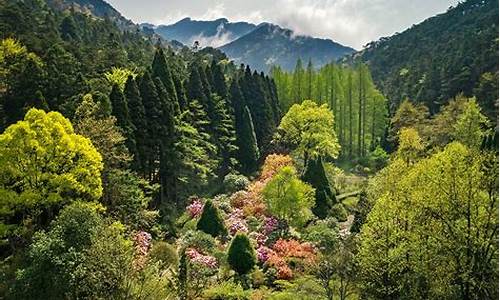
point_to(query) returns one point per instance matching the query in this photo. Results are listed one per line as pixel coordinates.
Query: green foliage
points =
(315, 175)
(454, 211)
(241, 255)
(128, 198)
(324, 234)
(309, 129)
(119, 76)
(45, 164)
(226, 291)
(288, 198)
(471, 126)
(235, 182)
(339, 212)
(211, 221)
(164, 254)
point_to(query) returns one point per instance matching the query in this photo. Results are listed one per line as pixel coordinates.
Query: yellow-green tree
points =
(432, 232)
(289, 198)
(308, 129)
(43, 165)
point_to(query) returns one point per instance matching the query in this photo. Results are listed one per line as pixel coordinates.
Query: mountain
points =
(96, 8)
(270, 44)
(453, 52)
(208, 33)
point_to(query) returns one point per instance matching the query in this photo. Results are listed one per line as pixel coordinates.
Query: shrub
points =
(210, 221)
(241, 255)
(226, 291)
(164, 254)
(235, 182)
(339, 212)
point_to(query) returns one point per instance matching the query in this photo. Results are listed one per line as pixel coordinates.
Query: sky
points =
(350, 22)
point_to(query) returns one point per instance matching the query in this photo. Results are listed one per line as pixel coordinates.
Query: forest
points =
(132, 169)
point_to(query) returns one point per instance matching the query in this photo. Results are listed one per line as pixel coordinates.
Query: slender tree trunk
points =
(373, 124)
(360, 111)
(350, 114)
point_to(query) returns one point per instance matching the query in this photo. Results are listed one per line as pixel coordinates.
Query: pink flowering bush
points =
(205, 260)
(195, 208)
(270, 225)
(142, 245)
(259, 238)
(236, 222)
(263, 253)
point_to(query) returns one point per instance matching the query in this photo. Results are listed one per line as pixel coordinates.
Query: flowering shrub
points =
(293, 248)
(205, 260)
(195, 208)
(285, 251)
(259, 238)
(273, 164)
(263, 254)
(270, 225)
(236, 222)
(142, 244)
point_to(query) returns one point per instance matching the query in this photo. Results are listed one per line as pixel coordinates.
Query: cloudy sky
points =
(350, 22)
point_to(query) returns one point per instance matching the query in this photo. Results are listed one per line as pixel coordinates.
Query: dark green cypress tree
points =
(182, 275)
(275, 104)
(194, 89)
(167, 152)
(151, 103)
(252, 87)
(207, 87)
(315, 175)
(120, 109)
(210, 221)
(219, 81)
(241, 255)
(224, 136)
(181, 95)
(246, 141)
(363, 208)
(161, 69)
(138, 120)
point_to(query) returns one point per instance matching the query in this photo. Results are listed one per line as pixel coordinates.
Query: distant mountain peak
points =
(259, 45)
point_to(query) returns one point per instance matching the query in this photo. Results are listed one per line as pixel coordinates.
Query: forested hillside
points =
(441, 57)
(133, 170)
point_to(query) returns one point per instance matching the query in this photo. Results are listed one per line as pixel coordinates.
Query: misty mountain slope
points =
(453, 52)
(271, 45)
(97, 8)
(208, 33)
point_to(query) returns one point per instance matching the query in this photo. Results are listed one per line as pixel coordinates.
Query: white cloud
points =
(350, 22)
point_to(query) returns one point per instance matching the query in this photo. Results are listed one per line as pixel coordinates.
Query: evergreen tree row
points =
(199, 126)
(360, 110)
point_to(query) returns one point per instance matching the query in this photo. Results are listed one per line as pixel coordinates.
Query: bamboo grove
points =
(360, 110)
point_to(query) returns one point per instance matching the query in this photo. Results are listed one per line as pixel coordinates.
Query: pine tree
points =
(252, 88)
(210, 221)
(120, 109)
(315, 175)
(138, 118)
(168, 155)
(182, 276)
(224, 136)
(246, 141)
(195, 89)
(241, 255)
(161, 69)
(151, 104)
(219, 82)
